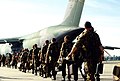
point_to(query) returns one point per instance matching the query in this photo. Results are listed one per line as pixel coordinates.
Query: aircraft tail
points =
(73, 13)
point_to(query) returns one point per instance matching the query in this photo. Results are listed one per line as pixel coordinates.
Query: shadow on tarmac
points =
(2, 77)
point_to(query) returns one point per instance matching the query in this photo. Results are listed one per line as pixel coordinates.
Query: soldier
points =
(44, 50)
(52, 57)
(10, 59)
(15, 60)
(89, 40)
(31, 55)
(36, 57)
(78, 59)
(65, 49)
(24, 59)
(3, 59)
(42, 58)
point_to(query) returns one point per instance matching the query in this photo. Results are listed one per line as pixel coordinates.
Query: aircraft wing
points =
(15, 42)
(110, 47)
(10, 40)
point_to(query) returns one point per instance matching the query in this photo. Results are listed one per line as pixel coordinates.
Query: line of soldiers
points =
(45, 60)
(88, 50)
(9, 60)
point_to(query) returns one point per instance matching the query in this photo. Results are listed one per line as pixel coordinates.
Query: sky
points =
(23, 17)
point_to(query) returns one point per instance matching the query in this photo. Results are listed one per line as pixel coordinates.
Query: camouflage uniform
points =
(90, 42)
(43, 68)
(78, 61)
(36, 58)
(24, 59)
(52, 57)
(44, 50)
(31, 57)
(65, 49)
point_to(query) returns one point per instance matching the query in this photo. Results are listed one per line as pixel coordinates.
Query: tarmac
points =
(9, 74)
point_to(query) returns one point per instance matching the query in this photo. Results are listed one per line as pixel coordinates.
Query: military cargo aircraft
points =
(69, 26)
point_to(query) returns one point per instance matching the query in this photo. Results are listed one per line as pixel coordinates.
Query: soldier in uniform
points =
(89, 40)
(24, 59)
(64, 51)
(44, 50)
(36, 58)
(78, 59)
(3, 59)
(52, 57)
(31, 55)
(42, 59)
(9, 59)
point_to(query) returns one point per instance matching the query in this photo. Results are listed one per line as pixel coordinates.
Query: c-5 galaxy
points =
(69, 26)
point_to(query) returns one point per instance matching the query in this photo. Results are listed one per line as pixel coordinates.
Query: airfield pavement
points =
(9, 74)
